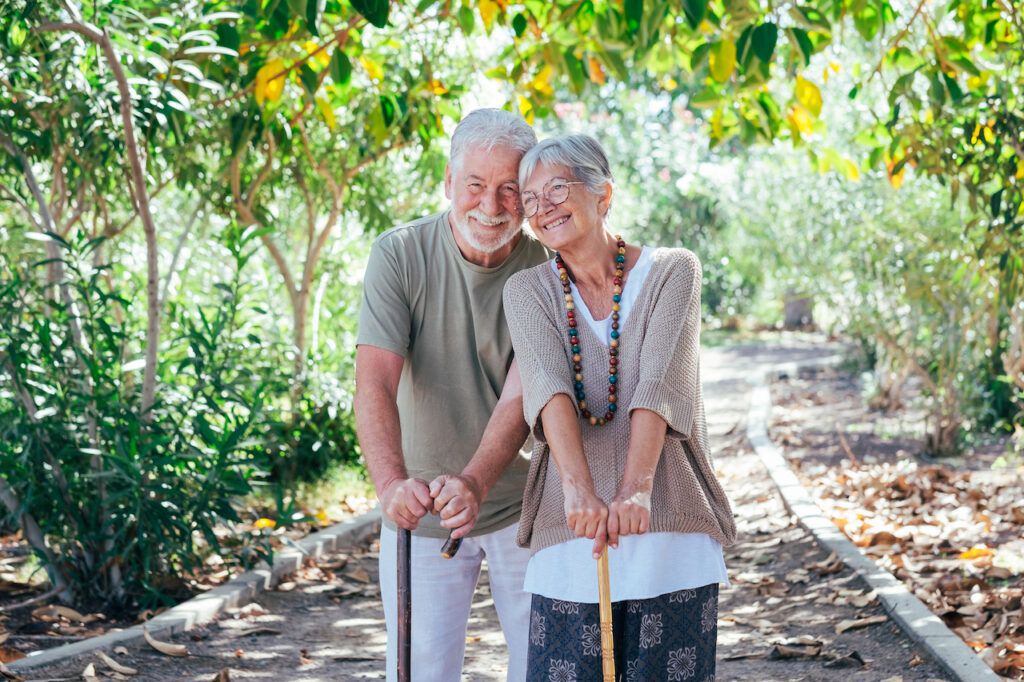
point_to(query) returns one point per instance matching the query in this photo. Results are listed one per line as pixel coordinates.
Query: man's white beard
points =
(490, 241)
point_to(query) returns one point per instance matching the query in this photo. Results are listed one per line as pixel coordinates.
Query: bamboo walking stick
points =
(604, 593)
(404, 605)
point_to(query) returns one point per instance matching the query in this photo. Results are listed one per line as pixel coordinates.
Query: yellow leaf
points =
(595, 71)
(974, 135)
(325, 110)
(541, 83)
(321, 58)
(669, 83)
(706, 27)
(526, 109)
(834, 66)
(264, 522)
(976, 552)
(488, 11)
(437, 87)
(809, 96)
(270, 82)
(895, 178)
(988, 134)
(723, 60)
(716, 124)
(850, 170)
(373, 69)
(799, 120)
(1020, 170)
(321, 516)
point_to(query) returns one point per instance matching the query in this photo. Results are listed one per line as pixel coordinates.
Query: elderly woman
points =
(606, 337)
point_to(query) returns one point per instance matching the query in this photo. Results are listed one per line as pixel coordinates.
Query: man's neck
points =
(481, 258)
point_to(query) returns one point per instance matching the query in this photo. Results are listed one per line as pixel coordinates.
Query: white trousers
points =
(442, 594)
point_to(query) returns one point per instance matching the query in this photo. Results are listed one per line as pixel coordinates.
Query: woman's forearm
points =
(646, 440)
(562, 431)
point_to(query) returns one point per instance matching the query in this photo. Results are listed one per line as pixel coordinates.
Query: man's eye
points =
(510, 190)
(475, 186)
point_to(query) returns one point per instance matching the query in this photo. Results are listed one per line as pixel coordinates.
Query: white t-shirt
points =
(644, 566)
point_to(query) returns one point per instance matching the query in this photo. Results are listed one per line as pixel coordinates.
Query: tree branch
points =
(139, 185)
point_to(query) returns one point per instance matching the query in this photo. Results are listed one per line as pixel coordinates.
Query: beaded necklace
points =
(613, 343)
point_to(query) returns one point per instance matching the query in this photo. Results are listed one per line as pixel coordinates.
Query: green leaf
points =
(519, 24)
(574, 67)
(699, 56)
(314, 8)
(227, 36)
(705, 99)
(467, 18)
(341, 68)
(954, 88)
(765, 37)
(387, 109)
(695, 10)
(634, 15)
(375, 11)
(309, 79)
(868, 22)
(803, 41)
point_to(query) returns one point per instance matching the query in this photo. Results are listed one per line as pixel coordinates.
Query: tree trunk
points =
(798, 310)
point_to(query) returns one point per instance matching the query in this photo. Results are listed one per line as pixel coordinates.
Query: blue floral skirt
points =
(671, 637)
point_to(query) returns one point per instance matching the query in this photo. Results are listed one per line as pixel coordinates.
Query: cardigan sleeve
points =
(538, 345)
(670, 351)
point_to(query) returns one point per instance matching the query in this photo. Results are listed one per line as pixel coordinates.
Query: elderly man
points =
(439, 403)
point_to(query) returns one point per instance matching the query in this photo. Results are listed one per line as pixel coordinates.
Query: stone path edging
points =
(908, 611)
(232, 594)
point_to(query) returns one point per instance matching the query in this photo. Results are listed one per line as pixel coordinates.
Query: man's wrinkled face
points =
(484, 192)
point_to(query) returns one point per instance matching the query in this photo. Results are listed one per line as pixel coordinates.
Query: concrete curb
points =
(923, 626)
(233, 594)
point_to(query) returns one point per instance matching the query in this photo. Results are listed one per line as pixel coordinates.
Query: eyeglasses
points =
(555, 192)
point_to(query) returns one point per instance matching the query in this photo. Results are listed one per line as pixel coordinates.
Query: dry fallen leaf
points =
(89, 673)
(164, 647)
(115, 666)
(360, 574)
(223, 676)
(854, 624)
(7, 654)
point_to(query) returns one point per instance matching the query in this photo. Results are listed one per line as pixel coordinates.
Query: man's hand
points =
(457, 499)
(405, 501)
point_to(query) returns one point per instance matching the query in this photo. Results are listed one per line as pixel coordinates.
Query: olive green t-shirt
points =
(424, 301)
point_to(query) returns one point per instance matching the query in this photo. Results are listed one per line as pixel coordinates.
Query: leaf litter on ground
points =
(953, 535)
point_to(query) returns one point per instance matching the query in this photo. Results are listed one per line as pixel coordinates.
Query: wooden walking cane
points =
(404, 605)
(604, 595)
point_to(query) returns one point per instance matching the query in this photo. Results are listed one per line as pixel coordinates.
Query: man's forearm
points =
(504, 436)
(380, 436)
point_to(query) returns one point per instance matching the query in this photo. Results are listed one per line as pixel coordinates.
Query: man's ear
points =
(448, 181)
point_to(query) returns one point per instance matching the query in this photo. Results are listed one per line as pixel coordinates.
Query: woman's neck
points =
(592, 262)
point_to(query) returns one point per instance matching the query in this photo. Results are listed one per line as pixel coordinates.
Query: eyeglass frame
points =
(545, 193)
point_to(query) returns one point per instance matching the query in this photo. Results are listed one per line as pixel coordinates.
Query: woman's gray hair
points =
(486, 129)
(580, 153)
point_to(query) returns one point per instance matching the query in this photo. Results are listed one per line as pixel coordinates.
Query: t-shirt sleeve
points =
(670, 352)
(538, 346)
(385, 318)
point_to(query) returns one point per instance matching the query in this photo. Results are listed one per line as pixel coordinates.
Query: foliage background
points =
(188, 194)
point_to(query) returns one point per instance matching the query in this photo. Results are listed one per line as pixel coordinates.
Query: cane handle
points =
(451, 547)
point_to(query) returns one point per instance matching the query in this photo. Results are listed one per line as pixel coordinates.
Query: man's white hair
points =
(486, 129)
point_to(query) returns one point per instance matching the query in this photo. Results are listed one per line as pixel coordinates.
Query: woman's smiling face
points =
(560, 225)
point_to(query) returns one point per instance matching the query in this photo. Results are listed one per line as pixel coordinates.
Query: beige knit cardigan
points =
(659, 370)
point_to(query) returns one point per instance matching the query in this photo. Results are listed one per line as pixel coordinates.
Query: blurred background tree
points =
(188, 193)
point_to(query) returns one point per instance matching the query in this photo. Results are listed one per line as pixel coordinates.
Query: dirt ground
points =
(777, 621)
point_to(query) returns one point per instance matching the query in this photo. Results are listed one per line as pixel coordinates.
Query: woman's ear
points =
(604, 204)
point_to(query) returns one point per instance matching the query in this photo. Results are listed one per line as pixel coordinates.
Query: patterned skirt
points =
(671, 637)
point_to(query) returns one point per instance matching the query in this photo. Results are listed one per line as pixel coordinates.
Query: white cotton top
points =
(637, 569)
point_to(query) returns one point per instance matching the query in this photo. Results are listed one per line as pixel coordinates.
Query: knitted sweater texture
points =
(659, 370)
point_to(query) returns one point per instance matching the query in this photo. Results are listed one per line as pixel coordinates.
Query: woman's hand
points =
(586, 515)
(629, 513)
